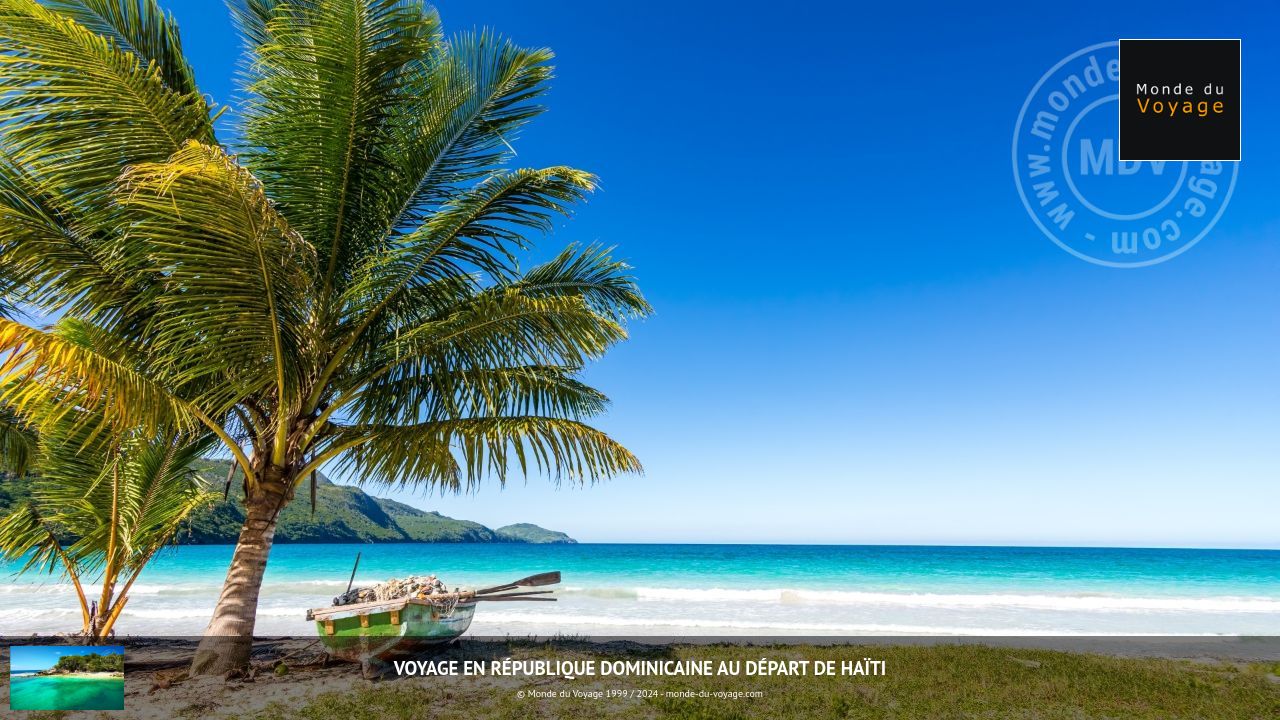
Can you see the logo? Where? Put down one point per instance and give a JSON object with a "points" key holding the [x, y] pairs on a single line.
{"points": [[1069, 175], [1180, 100]]}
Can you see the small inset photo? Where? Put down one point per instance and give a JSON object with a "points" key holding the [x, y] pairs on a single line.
{"points": [[63, 677]]}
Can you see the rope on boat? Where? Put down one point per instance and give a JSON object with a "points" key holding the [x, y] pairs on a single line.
{"points": [[413, 586], [447, 605]]}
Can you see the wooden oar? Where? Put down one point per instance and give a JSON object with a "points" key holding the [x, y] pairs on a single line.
{"points": [[353, 572], [514, 598], [547, 578], [515, 594]]}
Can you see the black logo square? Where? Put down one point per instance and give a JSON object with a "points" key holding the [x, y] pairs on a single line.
{"points": [[1179, 100]]}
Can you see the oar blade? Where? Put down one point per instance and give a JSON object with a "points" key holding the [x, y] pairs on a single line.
{"points": [[546, 578]]}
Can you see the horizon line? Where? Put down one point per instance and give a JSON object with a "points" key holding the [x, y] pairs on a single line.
{"points": [[1260, 548]]}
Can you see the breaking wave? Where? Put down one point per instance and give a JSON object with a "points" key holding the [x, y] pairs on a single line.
{"points": [[482, 624], [1075, 603]]}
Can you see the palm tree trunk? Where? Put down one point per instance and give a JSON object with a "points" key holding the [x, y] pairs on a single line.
{"points": [[110, 622], [123, 597], [109, 572], [75, 581], [228, 639]]}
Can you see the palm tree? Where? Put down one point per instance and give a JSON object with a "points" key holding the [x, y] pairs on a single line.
{"points": [[102, 506], [342, 284]]}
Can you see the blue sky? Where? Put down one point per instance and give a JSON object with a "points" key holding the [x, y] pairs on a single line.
{"points": [[43, 657], [860, 336]]}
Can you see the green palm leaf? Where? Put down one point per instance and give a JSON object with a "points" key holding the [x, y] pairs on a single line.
{"points": [[150, 478], [457, 454], [75, 108], [472, 104], [139, 27], [324, 84], [102, 506], [476, 232], [17, 442], [205, 223], [52, 375], [27, 538]]}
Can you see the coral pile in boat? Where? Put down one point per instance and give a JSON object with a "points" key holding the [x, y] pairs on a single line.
{"points": [[414, 586]]}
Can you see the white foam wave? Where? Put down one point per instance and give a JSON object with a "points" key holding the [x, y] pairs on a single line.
{"points": [[204, 612], [170, 613], [1087, 603], [50, 588], [33, 613], [544, 623], [67, 589]]}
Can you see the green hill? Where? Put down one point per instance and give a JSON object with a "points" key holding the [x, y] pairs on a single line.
{"points": [[343, 514], [530, 533]]}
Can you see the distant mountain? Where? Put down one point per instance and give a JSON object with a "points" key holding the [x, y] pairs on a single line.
{"points": [[530, 533], [343, 514]]}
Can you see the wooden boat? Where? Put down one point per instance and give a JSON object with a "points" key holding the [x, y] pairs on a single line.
{"points": [[374, 633], [382, 631]]}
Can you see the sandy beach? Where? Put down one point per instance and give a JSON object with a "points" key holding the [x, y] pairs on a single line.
{"points": [[86, 675]]}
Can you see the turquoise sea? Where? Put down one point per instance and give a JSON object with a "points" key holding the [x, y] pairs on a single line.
{"points": [[729, 589], [31, 692]]}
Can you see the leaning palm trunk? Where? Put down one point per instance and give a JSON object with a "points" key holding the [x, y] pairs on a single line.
{"points": [[229, 637], [343, 286]]}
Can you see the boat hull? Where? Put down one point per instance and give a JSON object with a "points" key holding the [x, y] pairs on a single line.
{"points": [[386, 631]]}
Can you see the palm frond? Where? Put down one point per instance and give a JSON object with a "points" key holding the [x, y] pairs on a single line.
{"points": [[152, 482], [45, 257], [124, 494], [140, 27], [472, 104], [206, 224], [251, 18], [476, 231], [592, 274], [17, 442], [75, 108], [456, 454], [51, 374], [26, 538], [446, 393], [494, 329], [8, 283], [324, 79]]}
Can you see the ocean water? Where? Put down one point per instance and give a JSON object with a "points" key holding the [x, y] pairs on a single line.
{"points": [[726, 589], [30, 692]]}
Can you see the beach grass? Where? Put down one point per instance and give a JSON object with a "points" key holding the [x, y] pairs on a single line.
{"points": [[925, 682]]}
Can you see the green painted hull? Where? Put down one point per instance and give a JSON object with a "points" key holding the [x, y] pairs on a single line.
{"points": [[419, 626]]}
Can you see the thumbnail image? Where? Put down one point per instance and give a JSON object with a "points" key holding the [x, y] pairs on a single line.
{"points": [[58, 677]]}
